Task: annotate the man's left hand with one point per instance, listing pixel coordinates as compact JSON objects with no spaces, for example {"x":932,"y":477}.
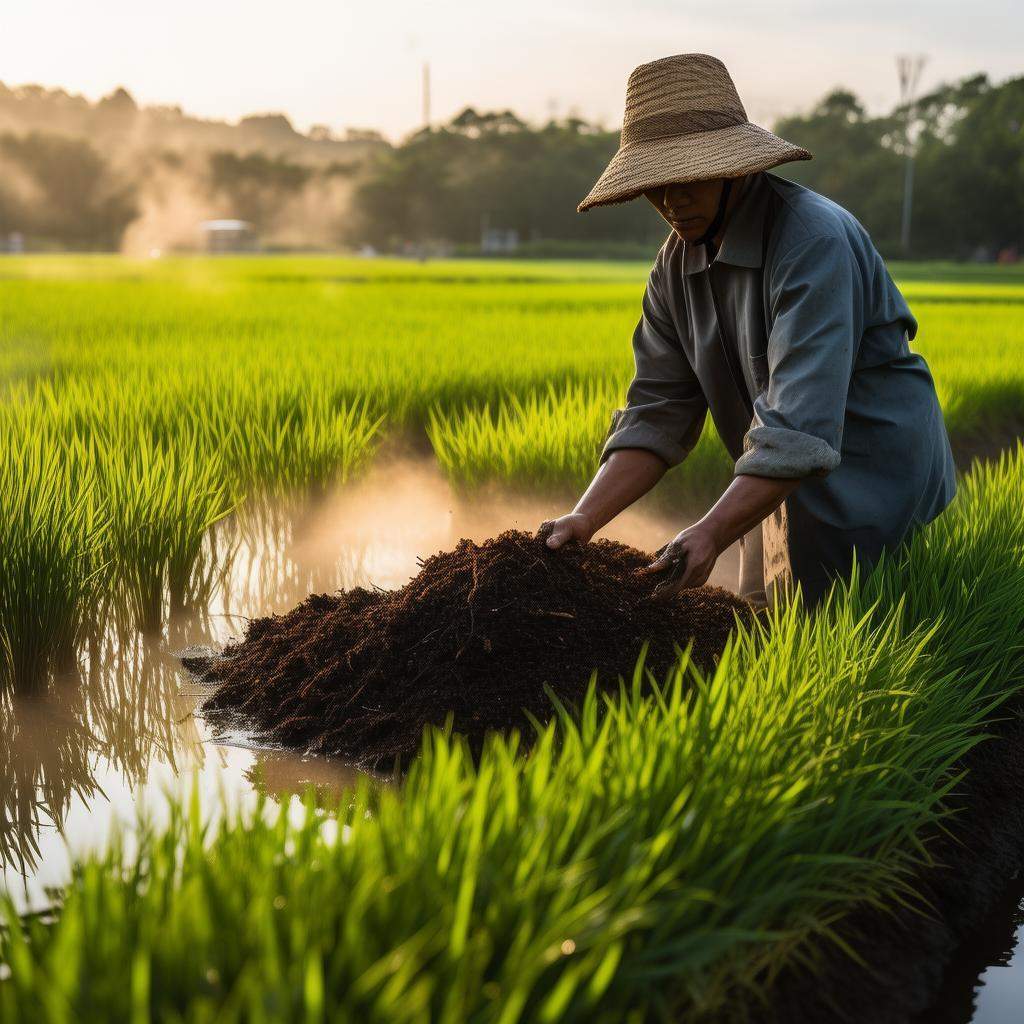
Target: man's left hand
{"x":696,"y":549}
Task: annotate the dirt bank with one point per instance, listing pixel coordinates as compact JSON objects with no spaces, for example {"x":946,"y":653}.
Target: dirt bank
{"x":476,"y":634}
{"x":905,"y":951}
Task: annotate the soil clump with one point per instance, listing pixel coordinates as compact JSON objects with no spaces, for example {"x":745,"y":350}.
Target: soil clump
{"x":476,"y":635}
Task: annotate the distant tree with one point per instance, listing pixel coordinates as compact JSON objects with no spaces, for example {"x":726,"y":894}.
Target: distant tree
{"x":119,"y":101}
{"x":114,"y":113}
{"x":492,"y":169}
{"x":269,"y":129}
{"x":969,"y":166}
{"x":363,"y":135}
{"x":255,"y":185}
{"x":970,"y":172}
{"x":853,"y":162}
{"x":81,"y":202}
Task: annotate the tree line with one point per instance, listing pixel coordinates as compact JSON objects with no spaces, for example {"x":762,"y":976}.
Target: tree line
{"x":445,"y":185}
{"x":969,"y":175}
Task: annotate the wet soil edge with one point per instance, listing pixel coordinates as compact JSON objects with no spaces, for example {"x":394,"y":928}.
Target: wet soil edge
{"x":906,"y":951}
{"x":985,"y":445}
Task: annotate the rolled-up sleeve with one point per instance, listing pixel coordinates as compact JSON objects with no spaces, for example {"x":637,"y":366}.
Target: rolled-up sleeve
{"x":815,"y":295}
{"x":665,"y":405}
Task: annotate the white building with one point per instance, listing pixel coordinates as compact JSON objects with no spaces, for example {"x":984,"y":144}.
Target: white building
{"x":228,"y":236}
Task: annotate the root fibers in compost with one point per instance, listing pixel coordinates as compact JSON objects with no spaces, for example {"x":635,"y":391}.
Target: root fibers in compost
{"x":476,"y":635}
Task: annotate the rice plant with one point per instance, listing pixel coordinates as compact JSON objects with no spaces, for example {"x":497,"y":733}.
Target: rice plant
{"x":163,"y":500}
{"x":53,"y":527}
{"x":553,"y":440}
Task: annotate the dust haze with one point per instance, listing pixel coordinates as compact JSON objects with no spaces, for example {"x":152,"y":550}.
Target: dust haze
{"x":111,"y":173}
{"x":174,"y":199}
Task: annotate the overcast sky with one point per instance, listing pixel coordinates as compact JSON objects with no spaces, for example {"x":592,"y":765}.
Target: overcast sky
{"x":345,"y":63}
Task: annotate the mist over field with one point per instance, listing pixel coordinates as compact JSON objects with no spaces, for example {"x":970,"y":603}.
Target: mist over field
{"x":114,"y":175}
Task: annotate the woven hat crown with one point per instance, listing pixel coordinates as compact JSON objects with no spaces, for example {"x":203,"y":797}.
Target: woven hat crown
{"x":679,"y":95}
{"x":684,"y":122}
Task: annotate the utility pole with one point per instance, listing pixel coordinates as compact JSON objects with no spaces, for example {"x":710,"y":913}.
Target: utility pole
{"x":426,"y":94}
{"x":909,"y":68}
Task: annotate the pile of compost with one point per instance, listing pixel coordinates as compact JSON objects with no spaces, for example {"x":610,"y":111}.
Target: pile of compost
{"x":476,"y":635}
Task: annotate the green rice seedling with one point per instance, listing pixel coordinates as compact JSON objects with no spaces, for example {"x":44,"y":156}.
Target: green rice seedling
{"x":162,"y":501}
{"x":657,"y":854}
{"x":553,"y":439}
{"x":280,"y":441}
{"x":53,"y":526}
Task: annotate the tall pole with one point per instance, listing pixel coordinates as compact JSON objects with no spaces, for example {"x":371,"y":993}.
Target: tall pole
{"x":909,"y":70}
{"x":426,"y":94}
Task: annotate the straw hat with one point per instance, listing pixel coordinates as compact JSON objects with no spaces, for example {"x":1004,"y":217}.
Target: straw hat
{"x":684,"y":122}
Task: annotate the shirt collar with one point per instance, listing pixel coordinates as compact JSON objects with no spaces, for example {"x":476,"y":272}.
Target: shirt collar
{"x":744,"y":234}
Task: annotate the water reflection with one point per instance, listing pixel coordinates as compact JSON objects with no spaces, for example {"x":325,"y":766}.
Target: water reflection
{"x":281,"y":775}
{"x":44,"y":762}
{"x":984,"y":982}
{"x":120,"y":709}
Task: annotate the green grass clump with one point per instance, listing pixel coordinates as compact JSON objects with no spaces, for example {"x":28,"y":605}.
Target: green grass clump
{"x":553,"y":440}
{"x":658,"y":855}
{"x":163,"y":499}
{"x":550,"y":439}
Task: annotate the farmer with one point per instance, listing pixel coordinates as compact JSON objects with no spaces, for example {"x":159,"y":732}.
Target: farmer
{"x":769,"y":306}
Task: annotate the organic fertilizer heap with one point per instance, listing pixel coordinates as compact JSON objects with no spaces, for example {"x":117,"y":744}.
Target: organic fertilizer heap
{"x":476,"y":634}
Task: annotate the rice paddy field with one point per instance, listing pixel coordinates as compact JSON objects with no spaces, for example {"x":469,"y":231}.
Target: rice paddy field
{"x":663,"y":854}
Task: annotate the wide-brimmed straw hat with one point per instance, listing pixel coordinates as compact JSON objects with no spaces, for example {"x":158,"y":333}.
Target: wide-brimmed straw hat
{"x":684,"y":122}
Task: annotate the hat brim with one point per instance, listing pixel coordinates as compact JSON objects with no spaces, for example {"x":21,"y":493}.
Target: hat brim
{"x":721,"y":153}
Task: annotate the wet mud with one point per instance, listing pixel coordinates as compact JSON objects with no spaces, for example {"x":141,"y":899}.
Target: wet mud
{"x":906,"y":952}
{"x":478,"y":634}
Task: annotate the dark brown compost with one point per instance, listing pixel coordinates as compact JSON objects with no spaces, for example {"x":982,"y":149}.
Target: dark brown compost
{"x":476,"y":635}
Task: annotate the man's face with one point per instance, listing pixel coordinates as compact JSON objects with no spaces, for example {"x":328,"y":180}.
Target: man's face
{"x":688,"y":208}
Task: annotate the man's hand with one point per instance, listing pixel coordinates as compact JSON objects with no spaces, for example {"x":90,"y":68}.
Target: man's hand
{"x":574,"y":526}
{"x":627,"y":474}
{"x":686,"y":561}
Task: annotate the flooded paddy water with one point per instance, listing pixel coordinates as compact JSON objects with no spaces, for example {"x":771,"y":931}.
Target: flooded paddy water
{"x":122,"y":731}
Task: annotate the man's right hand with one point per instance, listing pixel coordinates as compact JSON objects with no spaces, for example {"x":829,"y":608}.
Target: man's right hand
{"x":627,"y":474}
{"x":574,"y":526}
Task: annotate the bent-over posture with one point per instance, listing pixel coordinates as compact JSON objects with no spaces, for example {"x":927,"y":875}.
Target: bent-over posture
{"x":768,"y":306}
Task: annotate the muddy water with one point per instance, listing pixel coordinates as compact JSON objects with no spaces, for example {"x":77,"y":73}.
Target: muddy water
{"x":120,"y":732}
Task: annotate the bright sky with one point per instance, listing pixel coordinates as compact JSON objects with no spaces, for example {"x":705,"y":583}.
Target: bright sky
{"x":346,"y":63}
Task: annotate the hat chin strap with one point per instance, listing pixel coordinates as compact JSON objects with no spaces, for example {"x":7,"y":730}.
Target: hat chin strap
{"x":707,"y":239}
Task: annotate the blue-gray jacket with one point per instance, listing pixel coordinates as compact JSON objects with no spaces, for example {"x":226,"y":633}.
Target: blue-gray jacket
{"x":797,"y":341}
